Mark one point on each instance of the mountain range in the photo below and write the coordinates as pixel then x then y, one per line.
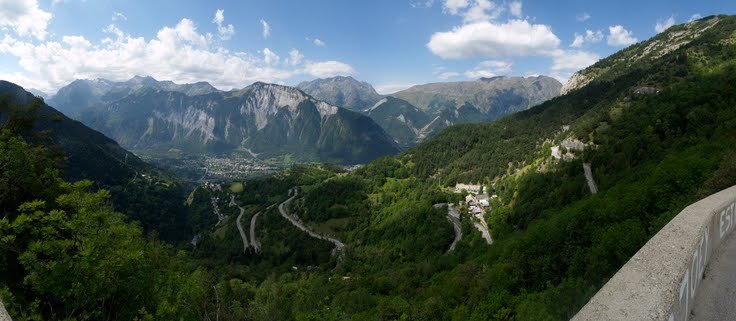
pixel 84 93
pixel 263 120
pixel 306 123
pixel 414 114
pixel 495 97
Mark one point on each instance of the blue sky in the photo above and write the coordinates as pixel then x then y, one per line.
pixel 392 44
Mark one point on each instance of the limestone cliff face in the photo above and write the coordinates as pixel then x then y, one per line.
pixel 268 119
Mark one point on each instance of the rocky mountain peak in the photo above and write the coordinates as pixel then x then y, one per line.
pixel 343 91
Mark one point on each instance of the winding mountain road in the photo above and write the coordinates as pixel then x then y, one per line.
pixel 482 226
pixel 454 217
pixel 339 246
pixel 216 210
pixel 256 245
pixel 240 226
pixel 589 177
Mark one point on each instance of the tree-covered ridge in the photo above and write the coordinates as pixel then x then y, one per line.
pixel 555 244
pixel 478 152
pixel 139 190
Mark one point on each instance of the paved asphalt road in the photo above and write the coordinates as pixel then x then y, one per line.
pixel 716 299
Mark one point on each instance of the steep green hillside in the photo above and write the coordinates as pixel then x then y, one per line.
pixel 652 153
pixel 141 191
pixel 375 243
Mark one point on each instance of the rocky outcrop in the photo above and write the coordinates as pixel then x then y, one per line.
pixel 342 91
pixel 267 119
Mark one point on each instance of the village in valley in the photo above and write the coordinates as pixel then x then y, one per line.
pixel 477 203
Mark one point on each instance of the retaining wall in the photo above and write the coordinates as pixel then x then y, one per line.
pixel 661 280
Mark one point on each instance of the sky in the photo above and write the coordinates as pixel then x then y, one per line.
pixel 392 44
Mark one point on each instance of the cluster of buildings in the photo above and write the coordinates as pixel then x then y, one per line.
pixel 477 201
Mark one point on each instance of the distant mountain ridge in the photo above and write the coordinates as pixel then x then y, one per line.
pixel 262 119
pixel 342 91
pixel 412 115
pixel 409 116
pixel 495 97
pixel 402 120
pixel 83 93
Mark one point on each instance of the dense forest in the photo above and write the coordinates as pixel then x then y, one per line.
pixel 66 254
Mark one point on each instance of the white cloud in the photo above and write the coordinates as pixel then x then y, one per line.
pixel 618 36
pixel 112 29
pixel 447 75
pixel 118 16
pixel 514 38
pixel 572 60
pixel 226 32
pixel 454 6
pixel 473 10
pixel 184 32
pixel 295 57
pixel 582 16
pixel 266 29
pixel 589 37
pixel 76 42
pixel 489 68
pixel 178 53
pixel 392 87
pixel 694 17
pixel 482 10
pixel 270 57
pixel 327 69
pixel 318 42
pixel 578 42
pixel 24 17
pixel 663 24
pixel 515 8
pixel 482 35
pixel 593 37
pixel 567 62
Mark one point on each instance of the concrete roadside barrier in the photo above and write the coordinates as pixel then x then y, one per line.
pixel 662 279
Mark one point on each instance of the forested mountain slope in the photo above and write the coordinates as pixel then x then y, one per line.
pixel 657 135
pixel 140 190
pixel 652 152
